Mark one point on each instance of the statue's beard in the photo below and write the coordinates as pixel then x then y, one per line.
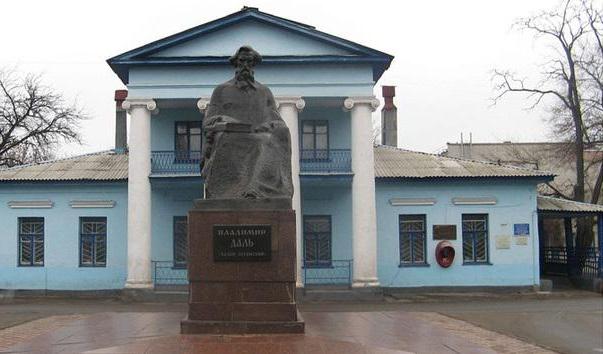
pixel 245 75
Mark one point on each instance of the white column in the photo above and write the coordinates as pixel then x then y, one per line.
pixel 288 108
pixel 364 216
pixel 139 193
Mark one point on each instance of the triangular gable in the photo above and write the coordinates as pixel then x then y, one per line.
pixel 199 45
pixel 268 39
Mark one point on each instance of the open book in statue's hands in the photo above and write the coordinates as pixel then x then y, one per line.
pixel 222 123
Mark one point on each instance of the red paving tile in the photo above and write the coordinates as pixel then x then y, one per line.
pixel 349 333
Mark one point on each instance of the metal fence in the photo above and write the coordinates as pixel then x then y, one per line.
pixel 168 276
pixel 311 161
pixel 175 162
pixel 334 272
pixel 579 262
pixel 326 161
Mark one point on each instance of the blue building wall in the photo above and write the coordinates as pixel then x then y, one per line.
pixel 169 201
pixel 61 269
pixel 516 203
pixel 339 124
pixel 332 198
pixel 315 80
pixel 163 126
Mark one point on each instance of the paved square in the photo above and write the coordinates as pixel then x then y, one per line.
pixel 336 332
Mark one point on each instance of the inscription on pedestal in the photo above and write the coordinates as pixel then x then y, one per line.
pixel 242 243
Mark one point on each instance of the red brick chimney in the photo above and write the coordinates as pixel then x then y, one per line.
pixel 389 117
pixel 121 125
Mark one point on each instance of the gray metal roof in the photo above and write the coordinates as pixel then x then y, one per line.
pixel 393 162
pixel 556 157
pixel 389 162
pixel 557 205
pixel 100 166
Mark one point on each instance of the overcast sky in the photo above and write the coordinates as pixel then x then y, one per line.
pixel 444 53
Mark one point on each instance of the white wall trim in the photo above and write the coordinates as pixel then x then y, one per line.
pixel 412 201
pixel 92 203
pixel 30 204
pixel 474 201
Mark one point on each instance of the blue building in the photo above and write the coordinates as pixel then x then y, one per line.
pixel 367 216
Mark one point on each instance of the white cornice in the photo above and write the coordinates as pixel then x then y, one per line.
pixel 412 201
pixel 30 204
pixel 474 201
pixel 92 203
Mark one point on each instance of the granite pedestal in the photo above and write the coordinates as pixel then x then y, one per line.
pixel 242 289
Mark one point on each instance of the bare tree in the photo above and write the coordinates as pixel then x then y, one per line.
pixel 570 84
pixel 34 119
pixel 376 133
pixel 591 64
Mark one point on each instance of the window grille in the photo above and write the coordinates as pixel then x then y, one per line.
pixel 317 241
pixel 413 239
pixel 475 238
pixel 31 241
pixel 93 241
pixel 180 241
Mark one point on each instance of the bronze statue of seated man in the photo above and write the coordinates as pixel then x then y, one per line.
pixel 247 145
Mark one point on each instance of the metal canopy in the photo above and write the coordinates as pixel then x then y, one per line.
pixel 557 207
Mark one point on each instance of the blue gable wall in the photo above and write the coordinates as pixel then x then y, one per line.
pixel 302 79
pixel 61 269
pixel 281 41
pixel 517 266
pixel 266 39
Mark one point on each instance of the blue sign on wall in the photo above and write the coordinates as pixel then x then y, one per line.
pixel 521 229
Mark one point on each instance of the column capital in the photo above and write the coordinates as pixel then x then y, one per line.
pixel 147 103
pixel 350 102
pixel 202 104
pixel 291 100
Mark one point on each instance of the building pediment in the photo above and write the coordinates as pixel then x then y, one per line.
pixel 267 38
pixel 279 40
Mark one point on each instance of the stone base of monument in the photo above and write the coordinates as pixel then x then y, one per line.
pixel 241 268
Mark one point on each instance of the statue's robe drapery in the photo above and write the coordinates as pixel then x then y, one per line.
pixel 238 164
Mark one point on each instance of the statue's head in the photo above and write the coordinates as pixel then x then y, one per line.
pixel 244 60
